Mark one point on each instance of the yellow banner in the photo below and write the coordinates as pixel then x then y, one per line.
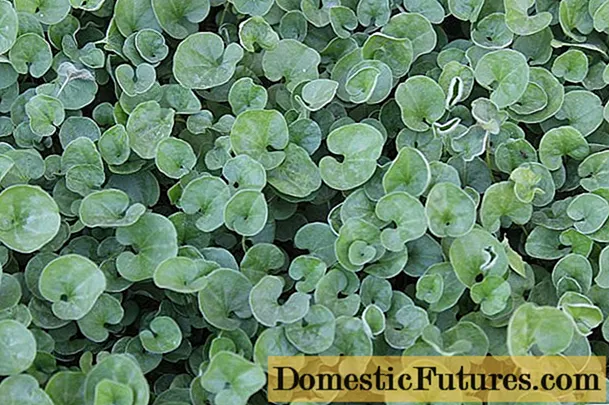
pixel 437 379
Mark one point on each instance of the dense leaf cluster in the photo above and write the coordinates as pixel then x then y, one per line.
pixel 190 186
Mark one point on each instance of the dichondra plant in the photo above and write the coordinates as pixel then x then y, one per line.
pixel 189 187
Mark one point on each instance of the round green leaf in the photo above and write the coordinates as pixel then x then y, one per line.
pixel 477 253
pixel 315 333
pixel 66 388
pixel 361 145
pixel 29 218
pixel 182 274
pixel 521 22
pixel 9 24
pixel 500 203
pixel 571 65
pixel 206 196
pixel 492 294
pixel 309 270
pixel 23 390
pixel 572 272
pixel 559 142
pixel 291 60
pixel 409 172
pixel 533 183
pixel 232 378
pixel 134 15
pixel 154 239
pixel 416 28
pixel 505 73
pixel 422 102
pixel 589 211
pixel 109 208
pixel 162 336
pixel 96 323
pixel 45 113
pixel 358 243
pixel 255 30
pixel 72 283
pixel 175 157
pixel 223 300
pixel 202 62
pixel 407 213
pixel 549 329
pixel 263 301
pixel 180 19
pixel 246 212
pixel 46 11
pixel 397 53
pixel 318 93
pixel 17 348
pixel 245 95
pixel 138 81
pixel 256 131
pixel 450 211
pixel 122 370
pixel 297 175
pixel 147 126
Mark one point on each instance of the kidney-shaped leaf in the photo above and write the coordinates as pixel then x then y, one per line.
pixel 134 15
pixel 263 301
pixel 147 126
pixel 29 218
pixel 120 369
pixel 201 61
pixel 223 300
pixel 246 212
pixel 154 238
pixel 180 18
pixel 72 283
pixel 106 312
pixel 291 60
pixel 309 270
pixel 407 213
pixel 520 21
pixel 492 294
pixel 31 53
pixel 254 132
pixel 404 326
pixel 206 196
pixel 162 336
pixel 45 114
pixel 450 211
pixel 232 378
pixel 594 171
pixel 183 274
pixel 409 172
pixel 316 333
pixel 548 329
pixel 589 211
pixel 109 208
pixel 17 348
pixel 361 146
pixel 559 142
pixel 422 102
pixel 358 243
pixel 175 157
pixel 10 25
pixel 505 73
pixel 297 175
pixel 23 390
pixel 499 203
pixel 477 253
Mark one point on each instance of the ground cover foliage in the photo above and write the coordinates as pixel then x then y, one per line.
pixel 188 187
